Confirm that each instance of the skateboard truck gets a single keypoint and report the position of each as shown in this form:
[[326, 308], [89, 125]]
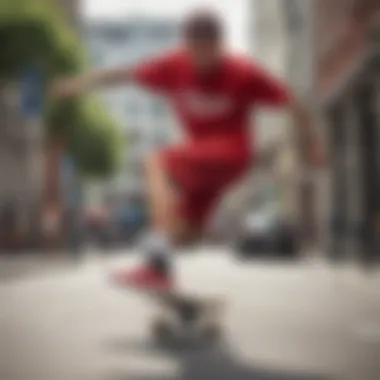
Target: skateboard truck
[[187, 316]]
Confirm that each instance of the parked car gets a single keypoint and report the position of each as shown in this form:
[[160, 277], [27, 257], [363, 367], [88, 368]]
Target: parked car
[[267, 233]]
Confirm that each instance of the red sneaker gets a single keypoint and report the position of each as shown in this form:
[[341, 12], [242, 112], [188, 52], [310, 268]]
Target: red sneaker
[[144, 277]]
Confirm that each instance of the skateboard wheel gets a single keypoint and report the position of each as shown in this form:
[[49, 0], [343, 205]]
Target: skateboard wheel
[[161, 331]]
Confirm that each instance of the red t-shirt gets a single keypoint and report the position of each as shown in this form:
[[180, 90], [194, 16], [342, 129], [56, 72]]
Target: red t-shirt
[[217, 106]]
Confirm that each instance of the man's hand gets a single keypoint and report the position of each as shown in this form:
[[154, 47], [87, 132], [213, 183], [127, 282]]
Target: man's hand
[[311, 144], [316, 155], [66, 88]]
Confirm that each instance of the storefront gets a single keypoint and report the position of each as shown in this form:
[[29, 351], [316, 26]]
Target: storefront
[[347, 83]]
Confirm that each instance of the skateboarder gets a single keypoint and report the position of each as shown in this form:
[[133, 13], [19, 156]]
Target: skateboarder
[[213, 93]]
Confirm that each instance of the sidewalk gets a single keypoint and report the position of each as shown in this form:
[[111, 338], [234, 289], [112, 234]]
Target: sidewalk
[[293, 321], [15, 266]]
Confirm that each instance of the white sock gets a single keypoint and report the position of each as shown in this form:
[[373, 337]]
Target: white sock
[[157, 244]]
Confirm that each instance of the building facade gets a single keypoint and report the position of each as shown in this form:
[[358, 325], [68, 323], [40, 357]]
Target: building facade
[[273, 171], [55, 208], [308, 184], [21, 159], [146, 119], [30, 191], [273, 46], [334, 64], [347, 84]]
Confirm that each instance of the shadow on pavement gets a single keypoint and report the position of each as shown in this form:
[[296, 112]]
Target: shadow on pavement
[[216, 363]]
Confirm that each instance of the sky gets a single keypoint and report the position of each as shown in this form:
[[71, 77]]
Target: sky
[[235, 13]]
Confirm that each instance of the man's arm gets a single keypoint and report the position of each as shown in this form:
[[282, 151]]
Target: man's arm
[[154, 73], [268, 90], [306, 130], [68, 87]]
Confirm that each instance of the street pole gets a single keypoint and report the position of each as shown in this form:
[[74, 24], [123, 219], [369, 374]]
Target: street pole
[[30, 109], [72, 203]]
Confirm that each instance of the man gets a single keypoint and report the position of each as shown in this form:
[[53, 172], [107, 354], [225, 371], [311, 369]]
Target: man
[[213, 93]]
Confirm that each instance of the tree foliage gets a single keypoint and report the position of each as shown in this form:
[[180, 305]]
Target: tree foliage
[[35, 33], [101, 153]]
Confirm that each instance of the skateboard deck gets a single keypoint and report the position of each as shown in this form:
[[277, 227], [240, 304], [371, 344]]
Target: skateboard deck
[[182, 313], [187, 314]]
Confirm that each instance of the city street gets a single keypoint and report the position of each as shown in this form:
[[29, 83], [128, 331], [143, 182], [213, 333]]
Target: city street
[[204, 84], [284, 321]]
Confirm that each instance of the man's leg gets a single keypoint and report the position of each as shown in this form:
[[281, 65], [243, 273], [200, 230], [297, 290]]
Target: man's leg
[[183, 183], [168, 227], [164, 197], [168, 205]]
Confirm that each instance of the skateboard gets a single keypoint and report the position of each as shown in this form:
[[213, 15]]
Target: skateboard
[[181, 314], [185, 315]]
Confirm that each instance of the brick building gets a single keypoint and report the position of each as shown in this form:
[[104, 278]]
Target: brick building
[[347, 83], [53, 205], [30, 183], [333, 63]]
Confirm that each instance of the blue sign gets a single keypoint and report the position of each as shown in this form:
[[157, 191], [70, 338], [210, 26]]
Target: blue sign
[[31, 81]]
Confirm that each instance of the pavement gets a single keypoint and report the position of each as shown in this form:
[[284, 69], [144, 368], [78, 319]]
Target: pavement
[[21, 266], [284, 321]]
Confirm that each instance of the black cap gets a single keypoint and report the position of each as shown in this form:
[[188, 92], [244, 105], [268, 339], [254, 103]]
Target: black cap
[[203, 24]]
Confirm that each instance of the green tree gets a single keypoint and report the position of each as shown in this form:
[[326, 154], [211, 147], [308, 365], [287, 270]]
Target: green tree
[[35, 33], [100, 154]]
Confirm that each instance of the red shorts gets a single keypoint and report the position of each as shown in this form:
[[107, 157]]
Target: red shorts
[[202, 174]]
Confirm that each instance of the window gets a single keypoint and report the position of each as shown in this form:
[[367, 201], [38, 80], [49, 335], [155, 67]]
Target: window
[[132, 110], [117, 34], [158, 108], [97, 58], [162, 32]]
